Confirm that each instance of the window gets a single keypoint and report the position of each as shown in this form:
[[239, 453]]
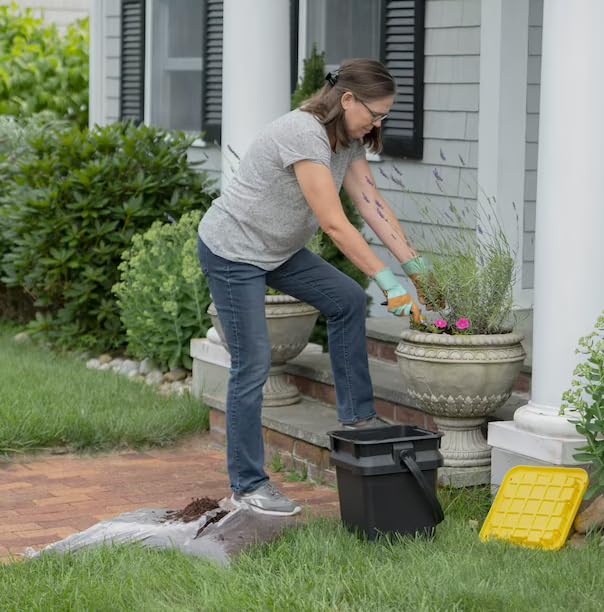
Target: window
[[176, 64], [344, 29], [184, 49], [389, 30]]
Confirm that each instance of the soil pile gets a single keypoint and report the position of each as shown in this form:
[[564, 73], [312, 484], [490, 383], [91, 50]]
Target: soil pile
[[194, 510]]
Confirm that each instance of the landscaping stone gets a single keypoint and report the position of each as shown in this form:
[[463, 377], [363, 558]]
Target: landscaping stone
[[116, 364], [591, 517], [22, 338], [578, 541], [93, 364], [154, 377], [175, 374], [177, 381], [128, 366], [146, 366]]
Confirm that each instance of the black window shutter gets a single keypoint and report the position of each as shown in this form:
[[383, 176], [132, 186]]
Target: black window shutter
[[132, 82], [403, 54], [211, 94]]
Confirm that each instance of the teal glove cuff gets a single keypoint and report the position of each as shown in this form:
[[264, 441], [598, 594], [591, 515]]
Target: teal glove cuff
[[386, 280], [415, 266]]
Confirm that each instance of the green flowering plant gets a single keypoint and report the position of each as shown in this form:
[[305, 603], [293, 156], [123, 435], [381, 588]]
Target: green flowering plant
[[162, 294], [585, 399]]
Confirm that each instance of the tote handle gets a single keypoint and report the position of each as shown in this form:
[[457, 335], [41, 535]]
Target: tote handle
[[406, 458]]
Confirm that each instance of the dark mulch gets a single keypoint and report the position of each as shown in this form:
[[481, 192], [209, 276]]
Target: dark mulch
[[194, 510]]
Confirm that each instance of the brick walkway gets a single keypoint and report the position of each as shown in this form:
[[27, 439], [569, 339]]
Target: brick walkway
[[46, 498]]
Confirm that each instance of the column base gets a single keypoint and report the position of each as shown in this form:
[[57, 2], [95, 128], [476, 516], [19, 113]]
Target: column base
[[515, 446], [503, 461]]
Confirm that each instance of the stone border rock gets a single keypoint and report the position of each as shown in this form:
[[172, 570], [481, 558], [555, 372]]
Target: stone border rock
[[176, 381]]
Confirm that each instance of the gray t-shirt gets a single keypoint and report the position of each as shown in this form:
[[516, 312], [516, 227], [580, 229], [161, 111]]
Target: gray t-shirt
[[262, 217]]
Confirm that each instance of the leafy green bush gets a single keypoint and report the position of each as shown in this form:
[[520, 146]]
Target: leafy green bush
[[41, 69], [313, 79], [15, 303], [586, 399], [162, 295], [71, 210]]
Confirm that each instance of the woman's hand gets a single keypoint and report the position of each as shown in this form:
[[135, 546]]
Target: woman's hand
[[399, 302]]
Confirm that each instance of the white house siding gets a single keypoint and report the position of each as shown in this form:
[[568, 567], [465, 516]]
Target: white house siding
[[451, 97], [59, 12], [532, 132]]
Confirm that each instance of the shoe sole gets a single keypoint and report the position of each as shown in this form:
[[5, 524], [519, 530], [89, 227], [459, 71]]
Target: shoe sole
[[244, 504]]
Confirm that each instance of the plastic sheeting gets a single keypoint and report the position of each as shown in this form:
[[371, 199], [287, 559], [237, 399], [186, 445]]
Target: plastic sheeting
[[218, 541]]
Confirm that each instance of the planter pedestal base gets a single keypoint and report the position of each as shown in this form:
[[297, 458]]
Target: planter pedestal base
[[277, 390], [460, 477], [466, 454]]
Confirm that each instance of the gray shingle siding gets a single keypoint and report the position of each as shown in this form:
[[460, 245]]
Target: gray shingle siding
[[532, 134], [451, 101], [112, 60]]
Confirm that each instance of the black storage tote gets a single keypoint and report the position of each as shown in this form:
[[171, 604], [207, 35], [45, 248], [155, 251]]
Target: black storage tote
[[387, 479]]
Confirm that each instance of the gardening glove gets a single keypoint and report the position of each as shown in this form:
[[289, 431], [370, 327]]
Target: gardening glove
[[399, 302], [419, 272]]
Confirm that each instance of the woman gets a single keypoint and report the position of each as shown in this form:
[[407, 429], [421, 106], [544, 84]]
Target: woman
[[254, 234]]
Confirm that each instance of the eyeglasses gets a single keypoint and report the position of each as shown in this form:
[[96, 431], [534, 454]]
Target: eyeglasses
[[375, 117]]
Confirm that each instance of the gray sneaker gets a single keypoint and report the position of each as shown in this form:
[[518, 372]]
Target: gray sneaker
[[267, 499], [367, 423]]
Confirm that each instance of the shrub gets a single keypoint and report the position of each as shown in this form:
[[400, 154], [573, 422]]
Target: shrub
[[586, 399], [15, 303], [41, 69], [162, 295], [71, 211], [313, 79]]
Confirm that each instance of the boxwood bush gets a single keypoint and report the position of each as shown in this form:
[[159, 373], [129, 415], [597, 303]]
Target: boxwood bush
[[42, 69], [162, 295], [70, 211]]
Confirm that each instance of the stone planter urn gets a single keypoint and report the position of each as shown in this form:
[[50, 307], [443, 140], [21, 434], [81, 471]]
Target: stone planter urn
[[460, 380], [290, 323]]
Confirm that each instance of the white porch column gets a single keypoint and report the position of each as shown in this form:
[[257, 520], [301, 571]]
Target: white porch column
[[569, 258], [255, 73]]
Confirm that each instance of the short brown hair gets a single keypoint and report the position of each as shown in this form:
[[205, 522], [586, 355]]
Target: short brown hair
[[367, 80]]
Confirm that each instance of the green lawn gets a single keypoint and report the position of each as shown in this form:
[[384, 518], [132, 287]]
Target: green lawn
[[49, 400], [318, 567]]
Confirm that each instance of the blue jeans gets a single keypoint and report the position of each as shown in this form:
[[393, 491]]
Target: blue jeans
[[238, 291]]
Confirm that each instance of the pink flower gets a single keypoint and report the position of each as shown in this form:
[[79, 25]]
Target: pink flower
[[463, 324], [441, 324]]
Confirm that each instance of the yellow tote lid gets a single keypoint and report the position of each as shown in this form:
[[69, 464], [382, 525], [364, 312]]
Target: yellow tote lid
[[536, 506]]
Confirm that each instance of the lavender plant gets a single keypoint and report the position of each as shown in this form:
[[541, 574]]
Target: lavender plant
[[472, 265]]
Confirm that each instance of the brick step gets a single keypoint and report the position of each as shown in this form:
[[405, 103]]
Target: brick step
[[298, 433], [312, 375]]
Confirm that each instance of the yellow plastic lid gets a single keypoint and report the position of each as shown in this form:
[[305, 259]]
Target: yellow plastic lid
[[536, 506]]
